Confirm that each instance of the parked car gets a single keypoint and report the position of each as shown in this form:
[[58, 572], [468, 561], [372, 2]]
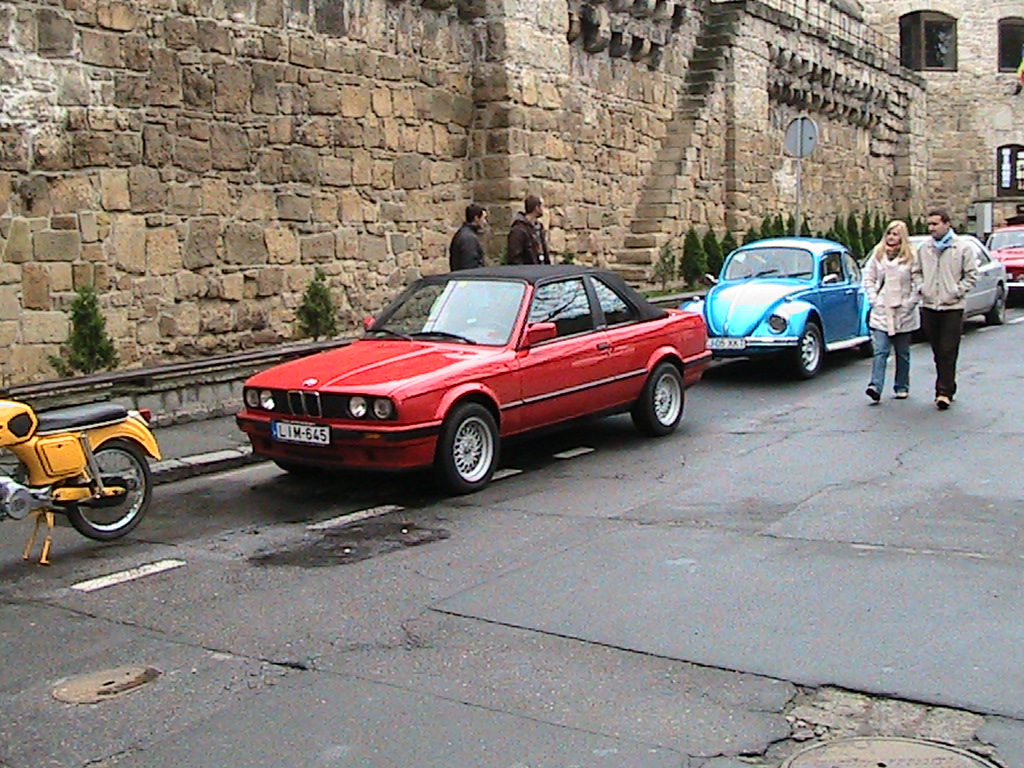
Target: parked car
[[461, 361], [792, 296], [1006, 245], [988, 297]]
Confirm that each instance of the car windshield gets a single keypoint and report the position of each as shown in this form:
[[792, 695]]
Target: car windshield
[[1013, 239], [765, 262], [459, 311]]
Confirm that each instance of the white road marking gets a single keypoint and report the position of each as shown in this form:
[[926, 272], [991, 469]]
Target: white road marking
[[120, 577], [501, 474], [353, 517], [572, 453], [985, 328], [1015, 321]]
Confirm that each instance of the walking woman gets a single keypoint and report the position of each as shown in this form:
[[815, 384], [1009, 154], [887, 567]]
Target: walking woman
[[894, 295]]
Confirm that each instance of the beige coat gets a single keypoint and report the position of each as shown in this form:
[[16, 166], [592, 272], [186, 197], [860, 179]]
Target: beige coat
[[945, 278], [893, 294]]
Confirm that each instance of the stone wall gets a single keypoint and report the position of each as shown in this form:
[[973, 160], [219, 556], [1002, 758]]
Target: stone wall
[[970, 111]]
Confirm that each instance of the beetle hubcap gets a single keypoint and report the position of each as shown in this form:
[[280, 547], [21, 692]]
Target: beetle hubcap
[[668, 400], [473, 449], [810, 351]]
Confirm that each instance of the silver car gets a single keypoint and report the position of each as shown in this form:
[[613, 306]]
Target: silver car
[[988, 297]]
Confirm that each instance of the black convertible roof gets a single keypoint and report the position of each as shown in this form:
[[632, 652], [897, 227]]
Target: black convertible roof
[[540, 273]]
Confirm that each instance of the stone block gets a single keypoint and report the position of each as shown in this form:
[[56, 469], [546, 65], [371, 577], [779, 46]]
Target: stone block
[[324, 100], [51, 245], [355, 101], [264, 89], [325, 209], [293, 208], [336, 171], [55, 33], [183, 199], [232, 85], [270, 282], [128, 243], [136, 52], [61, 277], [8, 333], [193, 155], [244, 244], [88, 226], [213, 37], [196, 88], [46, 327], [217, 197], [114, 194], [179, 32], [64, 221], [256, 204], [69, 194], [302, 164], [230, 147], [82, 275], [282, 246], [409, 172], [118, 16], [232, 287], [147, 191], [202, 243], [36, 291], [317, 248], [10, 305], [164, 81], [163, 254], [270, 13]]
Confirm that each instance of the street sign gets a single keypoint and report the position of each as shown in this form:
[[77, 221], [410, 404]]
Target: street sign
[[801, 137], [1010, 170]]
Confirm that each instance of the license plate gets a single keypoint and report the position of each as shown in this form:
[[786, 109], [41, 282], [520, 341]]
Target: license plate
[[290, 432], [723, 343]]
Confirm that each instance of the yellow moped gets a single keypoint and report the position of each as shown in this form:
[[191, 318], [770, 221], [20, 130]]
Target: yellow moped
[[86, 462]]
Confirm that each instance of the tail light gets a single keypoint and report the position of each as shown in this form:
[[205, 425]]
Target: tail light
[[146, 414]]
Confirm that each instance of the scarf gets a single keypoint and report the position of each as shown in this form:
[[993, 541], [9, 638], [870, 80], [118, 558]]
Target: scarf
[[945, 242]]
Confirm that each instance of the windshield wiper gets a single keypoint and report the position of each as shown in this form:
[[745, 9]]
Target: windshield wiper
[[390, 332], [444, 335], [763, 272]]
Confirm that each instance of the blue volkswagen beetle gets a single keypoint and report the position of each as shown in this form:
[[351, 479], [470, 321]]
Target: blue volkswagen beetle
[[795, 296]]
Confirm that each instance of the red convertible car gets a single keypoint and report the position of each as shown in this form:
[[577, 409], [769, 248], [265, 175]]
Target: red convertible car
[[460, 361], [1007, 245]]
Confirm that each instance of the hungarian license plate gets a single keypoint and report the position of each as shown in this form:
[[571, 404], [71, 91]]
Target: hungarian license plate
[[723, 343], [292, 432]]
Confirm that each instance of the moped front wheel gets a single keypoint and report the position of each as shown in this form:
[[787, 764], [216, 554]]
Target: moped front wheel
[[122, 465]]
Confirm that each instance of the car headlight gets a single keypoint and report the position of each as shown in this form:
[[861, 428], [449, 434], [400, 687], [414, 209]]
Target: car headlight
[[252, 398], [778, 323], [383, 408], [357, 406], [267, 399]]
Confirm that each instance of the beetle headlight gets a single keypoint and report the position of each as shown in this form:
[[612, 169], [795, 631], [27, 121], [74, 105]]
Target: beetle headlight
[[252, 398], [357, 406], [383, 408], [778, 323], [267, 400]]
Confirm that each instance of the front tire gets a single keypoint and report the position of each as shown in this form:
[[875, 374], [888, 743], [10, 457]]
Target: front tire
[[467, 450], [809, 353], [659, 409], [121, 463], [997, 315]]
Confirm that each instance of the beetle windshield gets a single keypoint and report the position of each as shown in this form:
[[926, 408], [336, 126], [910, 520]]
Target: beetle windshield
[[1011, 239], [769, 262], [457, 311]]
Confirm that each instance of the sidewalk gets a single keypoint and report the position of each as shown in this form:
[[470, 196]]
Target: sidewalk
[[200, 448]]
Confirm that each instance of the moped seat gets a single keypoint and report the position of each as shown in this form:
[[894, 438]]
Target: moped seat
[[80, 417]]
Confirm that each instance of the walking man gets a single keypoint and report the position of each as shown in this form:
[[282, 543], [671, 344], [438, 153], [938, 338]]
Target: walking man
[[946, 270], [527, 242], [466, 251]]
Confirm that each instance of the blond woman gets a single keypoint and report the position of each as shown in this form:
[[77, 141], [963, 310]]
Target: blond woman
[[894, 293]]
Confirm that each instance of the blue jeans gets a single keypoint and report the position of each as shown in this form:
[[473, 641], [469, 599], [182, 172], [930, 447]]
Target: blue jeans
[[882, 342]]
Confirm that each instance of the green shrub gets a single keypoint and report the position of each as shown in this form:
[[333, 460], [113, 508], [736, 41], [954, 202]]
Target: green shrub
[[751, 235], [767, 227], [317, 312], [712, 252], [694, 262], [666, 268], [805, 229], [867, 235], [839, 231], [89, 347], [853, 235], [728, 244]]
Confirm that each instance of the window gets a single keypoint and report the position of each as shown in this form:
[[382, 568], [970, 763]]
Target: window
[[566, 304], [832, 268], [1011, 44], [615, 310], [852, 269], [928, 41], [979, 254]]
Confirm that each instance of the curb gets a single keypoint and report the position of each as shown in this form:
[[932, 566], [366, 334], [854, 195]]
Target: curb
[[172, 470]]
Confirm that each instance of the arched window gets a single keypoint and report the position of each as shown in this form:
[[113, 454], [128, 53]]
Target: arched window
[[928, 41], [1011, 43]]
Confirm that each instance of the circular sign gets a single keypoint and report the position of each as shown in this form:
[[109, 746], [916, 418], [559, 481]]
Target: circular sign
[[801, 137], [896, 752]]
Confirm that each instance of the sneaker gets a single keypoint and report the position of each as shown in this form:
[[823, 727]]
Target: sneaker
[[902, 394], [873, 393], [942, 402]]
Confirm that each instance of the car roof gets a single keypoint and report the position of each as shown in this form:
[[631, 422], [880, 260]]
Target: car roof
[[1009, 228], [815, 245]]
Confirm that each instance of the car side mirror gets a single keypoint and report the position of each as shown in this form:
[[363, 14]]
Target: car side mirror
[[830, 279], [368, 322], [538, 333], [709, 279]]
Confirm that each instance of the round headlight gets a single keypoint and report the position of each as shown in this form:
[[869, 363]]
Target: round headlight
[[382, 408], [357, 406], [252, 398], [267, 399], [777, 323]]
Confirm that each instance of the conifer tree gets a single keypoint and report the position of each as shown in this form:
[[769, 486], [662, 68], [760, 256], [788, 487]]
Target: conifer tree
[[791, 226], [766, 227], [89, 348], [712, 252], [751, 235], [867, 234], [839, 231], [317, 312], [728, 244], [853, 235], [694, 264]]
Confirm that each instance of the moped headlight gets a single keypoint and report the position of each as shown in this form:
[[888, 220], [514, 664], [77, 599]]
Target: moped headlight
[[267, 399], [778, 323], [383, 408], [357, 406], [252, 398]]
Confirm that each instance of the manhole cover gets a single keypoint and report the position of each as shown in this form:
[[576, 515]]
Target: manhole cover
[[885, 753], [100, 686]]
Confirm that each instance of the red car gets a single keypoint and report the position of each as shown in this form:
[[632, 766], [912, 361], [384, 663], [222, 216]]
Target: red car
[[460, 361], [1007, 245]]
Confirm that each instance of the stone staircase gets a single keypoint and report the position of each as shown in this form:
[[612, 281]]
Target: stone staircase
[[659, 216]]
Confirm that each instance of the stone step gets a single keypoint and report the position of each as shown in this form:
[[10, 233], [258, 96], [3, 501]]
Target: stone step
[[637, 256], [656, 211], [646, 226], [666, 167], [703, 76], [660, 197], [633, 275], [647, 240]]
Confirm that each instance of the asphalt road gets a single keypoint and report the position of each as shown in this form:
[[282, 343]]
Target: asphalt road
[[793, 565]]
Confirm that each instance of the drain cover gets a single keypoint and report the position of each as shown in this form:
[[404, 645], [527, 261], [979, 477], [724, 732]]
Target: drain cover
[[885, 753], [100, 686]]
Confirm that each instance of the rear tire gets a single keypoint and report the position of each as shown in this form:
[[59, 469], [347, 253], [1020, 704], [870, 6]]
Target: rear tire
[[121, 463], [659, 409], [997, 315], [809, 353], [467, 449]]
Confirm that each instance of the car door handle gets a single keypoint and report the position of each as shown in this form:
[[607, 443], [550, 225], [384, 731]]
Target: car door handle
[[848, 291], [604, 346]]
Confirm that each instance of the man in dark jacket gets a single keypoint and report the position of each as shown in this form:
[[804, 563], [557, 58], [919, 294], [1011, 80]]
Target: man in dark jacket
[[527, 243], [466, 252]]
